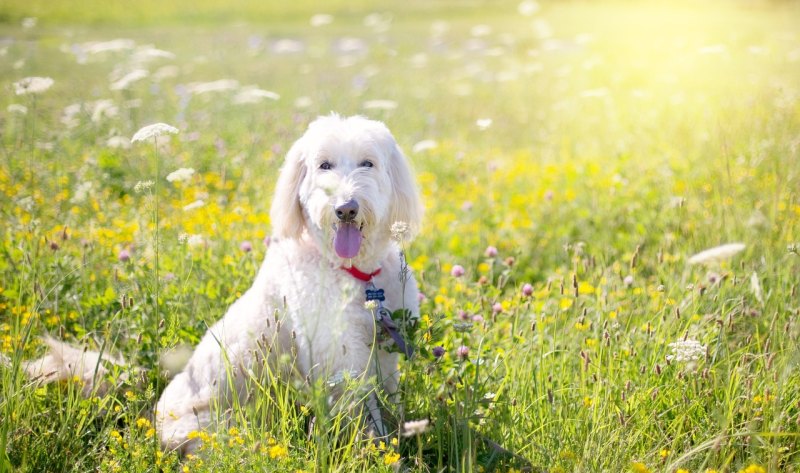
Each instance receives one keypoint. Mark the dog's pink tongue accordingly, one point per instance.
(347, 241)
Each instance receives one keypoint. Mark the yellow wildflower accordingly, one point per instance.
(585, 288)
(639, 467)
(391, 458)
(141, 422)
(278, 451)
(582, 326)
(753, 468)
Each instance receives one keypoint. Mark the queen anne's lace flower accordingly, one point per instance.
(254, 95)
(686, 350)
(400, 230)
(180, 175)
(125, 81)
(32, 85)
(151, 131)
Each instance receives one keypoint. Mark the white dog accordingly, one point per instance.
(343, 185)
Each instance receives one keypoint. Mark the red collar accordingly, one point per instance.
(360, 275)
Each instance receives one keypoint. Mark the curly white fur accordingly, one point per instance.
(302, 302)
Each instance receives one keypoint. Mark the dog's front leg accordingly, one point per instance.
(215, 377)
(185, 405)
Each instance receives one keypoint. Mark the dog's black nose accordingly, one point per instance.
(347, 211)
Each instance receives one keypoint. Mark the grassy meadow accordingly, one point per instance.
(573, 157)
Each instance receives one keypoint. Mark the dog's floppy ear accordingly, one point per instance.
(406, 204)
(286, 213)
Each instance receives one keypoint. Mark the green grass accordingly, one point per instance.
(629, 138)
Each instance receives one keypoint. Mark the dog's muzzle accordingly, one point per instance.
(347, 211)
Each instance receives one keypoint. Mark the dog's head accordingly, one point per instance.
(345, 181)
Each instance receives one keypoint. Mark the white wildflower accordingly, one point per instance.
(423, 145)
(542, 29)
(350, 45)
(152, 131)
(97, 47)
(480, 30)
(377, 22)
(194, 205)
(104, 109)
(252, 94)
(755, 285)
(82, 191)
(222, 85)
(418, 60)
(128, 79)
(686, 350)
(415, 427)
(147, 53)
(194, 241)
(32, 85)
(69, 116)
(757, 220)
(165, 72)
(303, 102)
(28, 204)
(400, 230)
(528, 8)
(142, 186)
(628, 281)
(288, 46)
(321, 19)
(17, 108)
(119, 142)
(380, 105)
(484, 123)
(180, 175)
(717, 254)
(29, 22)
(371, 305)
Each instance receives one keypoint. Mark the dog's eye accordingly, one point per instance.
(366, 164)
(326, 166)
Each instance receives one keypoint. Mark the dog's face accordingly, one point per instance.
(345, 182)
